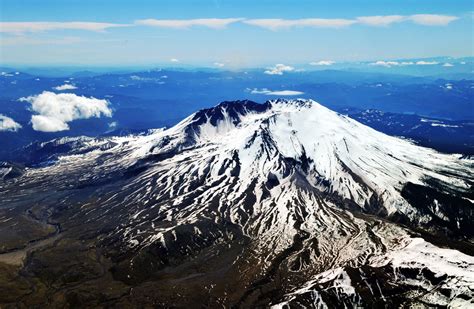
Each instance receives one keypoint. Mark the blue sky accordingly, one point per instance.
(231, 33)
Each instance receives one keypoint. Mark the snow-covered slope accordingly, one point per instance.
(286, 193)
(332, 154)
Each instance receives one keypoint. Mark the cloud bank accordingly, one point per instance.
(389, 64)
(427, 62)
(277, 24)
(266, 91)
(382, 20)
(420, 19)
(214, 23)
(7, 124)
(432, 20)
(55, 111)
(221, 23)
(278, 69)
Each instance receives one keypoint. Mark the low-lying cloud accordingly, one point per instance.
(65, 87)
(7, 124)
(322, 63)
(55, 111)
(266, 91)
(279, 69)
(389, 64)
(427, 62)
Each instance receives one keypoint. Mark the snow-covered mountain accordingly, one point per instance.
(282, 203)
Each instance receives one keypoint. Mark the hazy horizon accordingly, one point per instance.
(228, 34)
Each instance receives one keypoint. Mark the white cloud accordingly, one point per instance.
(447, 64)
(8, 124)
(23, 27)
(214, 23)
(55, 111)
(266, 91)
(285, 92)
(277, 24)
(48, 124)
(380, 20)
(65, 87)
(174, 60)
(386, 64)
(426, 62)
(221, 23)
(148, 79)
(278, 69)
(219, 64)
(323, 62)
(389, 64)
(113, 125)
(377, 20)
(432, 20)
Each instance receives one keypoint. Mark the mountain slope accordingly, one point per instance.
(248, 204)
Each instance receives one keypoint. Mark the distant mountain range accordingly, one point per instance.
(439, 67)
(156, 98)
